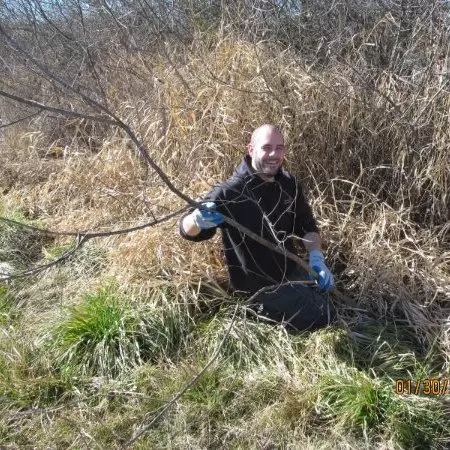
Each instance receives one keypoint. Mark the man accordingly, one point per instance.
(268, 200)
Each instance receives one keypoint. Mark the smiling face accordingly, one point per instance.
(267, 151)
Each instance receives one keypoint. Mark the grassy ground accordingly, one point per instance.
(90, 368)
(92, 349)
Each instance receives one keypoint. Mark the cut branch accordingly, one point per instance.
(63, 112)
(82, 238)
(15, 122)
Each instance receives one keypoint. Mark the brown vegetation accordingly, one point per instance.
(362, 97)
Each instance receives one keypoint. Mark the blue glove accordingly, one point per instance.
(208, 218)
(317, 262)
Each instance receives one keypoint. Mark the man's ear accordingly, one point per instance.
(250, 149)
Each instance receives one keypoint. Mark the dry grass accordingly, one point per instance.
(377, 177)
(377, 174)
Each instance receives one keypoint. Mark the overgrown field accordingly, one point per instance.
(93, 348)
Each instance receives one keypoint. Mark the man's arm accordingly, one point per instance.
(201, 223)
(312, 241)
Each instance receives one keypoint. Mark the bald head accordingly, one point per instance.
(266, 149)
(263, 131)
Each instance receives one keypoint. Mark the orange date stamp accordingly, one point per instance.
(422, 386)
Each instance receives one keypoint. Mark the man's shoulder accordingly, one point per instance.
(234, 185)
(227, 189)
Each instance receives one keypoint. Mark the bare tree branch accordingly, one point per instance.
(90, 101)
(63, 112)
(15, 122)
(82, 238)
(90, 234)
(34, 270)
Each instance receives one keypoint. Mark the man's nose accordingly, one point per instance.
(275, 152)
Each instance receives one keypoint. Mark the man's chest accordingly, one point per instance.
(268, 206)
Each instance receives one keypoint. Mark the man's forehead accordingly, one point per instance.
(268, 135)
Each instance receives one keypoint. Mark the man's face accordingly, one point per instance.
(267, 152)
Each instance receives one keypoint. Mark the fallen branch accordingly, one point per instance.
(82, 238)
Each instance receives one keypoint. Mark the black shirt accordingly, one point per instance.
(274, 210)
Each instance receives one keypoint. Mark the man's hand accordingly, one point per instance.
(317, 262)
(207, 218)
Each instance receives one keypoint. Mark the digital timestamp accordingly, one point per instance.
(423, 386)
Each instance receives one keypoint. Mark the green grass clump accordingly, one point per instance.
(107, 334)
(33, 392)
(355, 399)
(387, 349)
(419, 422)
(25, 381)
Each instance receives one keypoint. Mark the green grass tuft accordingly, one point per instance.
(386, 349)
(106, 334)
(355, 399)
(30, 392)
(419, 423)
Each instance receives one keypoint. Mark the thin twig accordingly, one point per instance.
(94, 234)
(34, 270)
(145, 428)
(14, 122)
(63, 112)
(82, 238)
